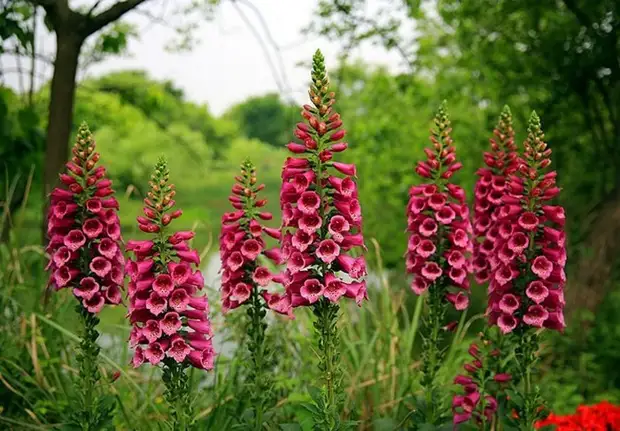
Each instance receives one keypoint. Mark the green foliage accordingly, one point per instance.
(580, 366)
(113, 40)
(20, 153)
(93, 412)
(178, 395)
(164, 104)
(15, 25)
(266, 118)
(327, 400)
(557, 57)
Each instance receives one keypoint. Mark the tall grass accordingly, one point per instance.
(38, 340)
(37, 359)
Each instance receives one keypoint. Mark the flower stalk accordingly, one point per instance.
(244, 280)
(438, 254)
(321, 224)
(177, 394)
(329, 345)
(85, 255)
(95, 411)
(526, 257)
(170, 319)
(259, 371)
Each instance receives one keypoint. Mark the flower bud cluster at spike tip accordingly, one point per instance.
(168, 314)
(241, 241)
(480, 377)
(440, 245)
(321, 214)
(529, 245)
(502, 161)
(84, 230)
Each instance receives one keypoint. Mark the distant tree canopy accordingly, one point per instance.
(559, 57)
(165, 105)
(139, 119)
(266, 118)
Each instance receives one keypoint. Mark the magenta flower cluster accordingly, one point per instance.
(84, 231)
(241, 242)
(520, 250)
(529, 246)
(440, 242)
(321, 213)
(169, 317)
(472, 403)
(501, 162)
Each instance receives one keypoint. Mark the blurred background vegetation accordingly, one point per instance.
(559, 57)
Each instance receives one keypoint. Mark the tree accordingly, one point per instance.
(164, 104)
(266, 118)
(559, 57)
(554, 56)
(71, 28)
(21, 137)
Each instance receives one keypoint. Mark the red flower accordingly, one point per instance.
(241, 241)
(600, 417)
(321, 214)
(164, 288)
(527, 242)
(84, 231)
(501, 162)
(440, 246)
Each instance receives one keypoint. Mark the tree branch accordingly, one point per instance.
(46, 3)
(56, 10)
(45, 59)
(109, 15)
(95, 6)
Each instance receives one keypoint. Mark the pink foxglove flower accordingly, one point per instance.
(321, 226)
(243, 253)
(483, 385)
(322, 219)
(242, 242)
(168, 312)
(501, 162)
(528, 256)
(438, 251)
(84, 231)
(440, 246)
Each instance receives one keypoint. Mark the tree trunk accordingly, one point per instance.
(68, 45)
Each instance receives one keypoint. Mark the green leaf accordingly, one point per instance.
(316, 394)
(384, 424)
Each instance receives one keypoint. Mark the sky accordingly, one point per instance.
(228, 65)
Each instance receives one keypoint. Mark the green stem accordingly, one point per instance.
(329, 345)
(432, 351)
(526, 351)
(89, 374)
(259, 379)
(177, 394)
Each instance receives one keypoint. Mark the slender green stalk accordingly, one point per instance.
(260, 379)
(92, 413)
(329, 347)
(178, 394)
(432, 352)
(525, 351)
